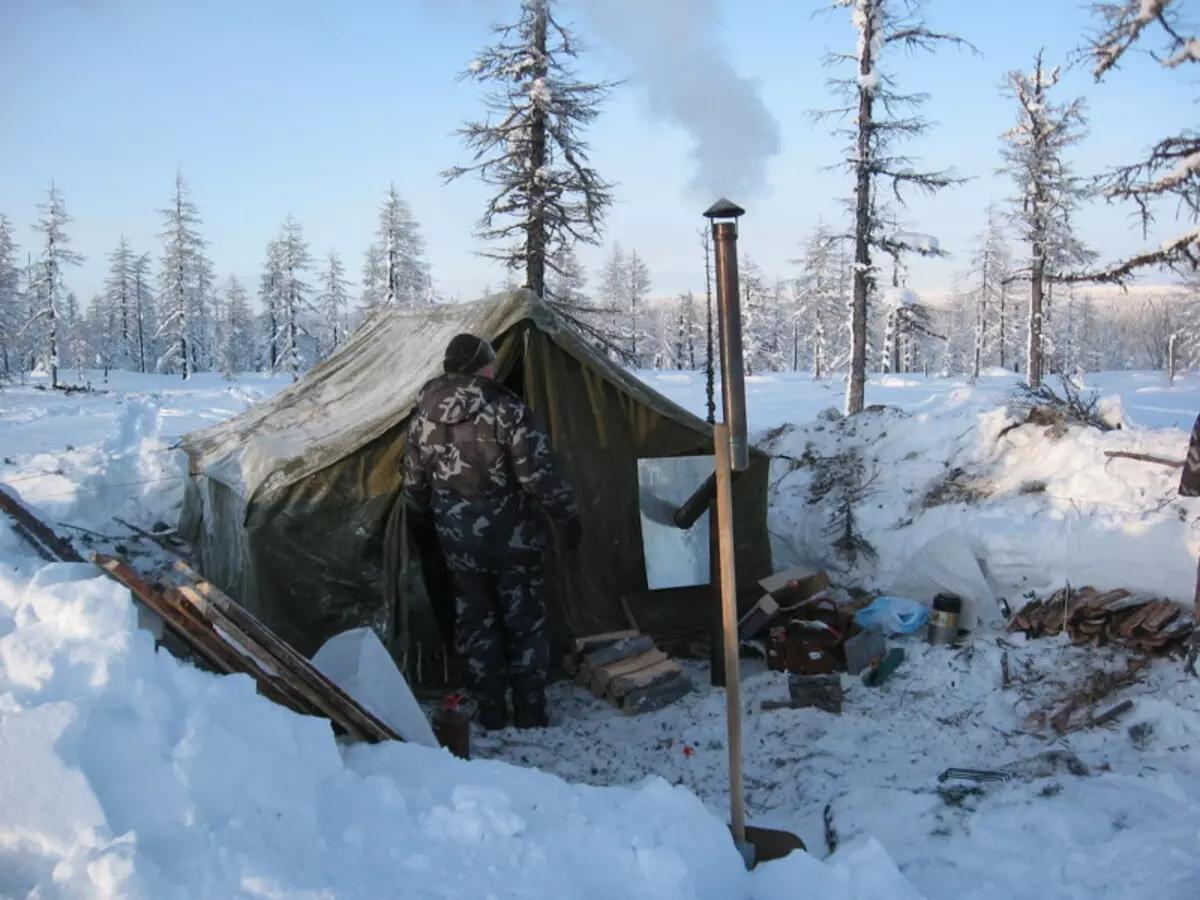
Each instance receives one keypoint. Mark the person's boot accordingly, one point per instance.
(530, 710)
(492, 714)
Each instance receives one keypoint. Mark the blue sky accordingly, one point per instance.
(277, 107)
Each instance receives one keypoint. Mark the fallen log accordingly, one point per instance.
(49, 545)
(1145, 457)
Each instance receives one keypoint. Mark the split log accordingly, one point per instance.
(656, 695)
(603, 677)
(623, 685)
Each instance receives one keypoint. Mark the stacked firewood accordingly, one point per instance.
(628, 670)
(1089, 616)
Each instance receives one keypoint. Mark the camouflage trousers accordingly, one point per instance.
(501, 629)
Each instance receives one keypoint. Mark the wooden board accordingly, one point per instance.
(352, 713)
(49, 545)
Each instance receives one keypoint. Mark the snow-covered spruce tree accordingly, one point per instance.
(75, 326)
(10, 298)
(236, 352)
(181, 262)
(48, 291)
(294, 298)
(1034, 155)
(565, 293)
(401, 254)
(102, 334)
(612, 293)
(637, 288)
(373, 290)
(237, 349)
(756, 322)
(270, 293)
(1170, 171)
(689, 332)
(333, 303)
(819, 322)
(534, 152)
(986, 288)
(119, 293)
(566, 280)
(143, 307)
(203, 316)
(882, 117)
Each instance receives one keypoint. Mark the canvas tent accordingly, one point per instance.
(292, 505)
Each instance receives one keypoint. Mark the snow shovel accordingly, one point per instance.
(756, 844)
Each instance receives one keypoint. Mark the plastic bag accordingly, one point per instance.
(357, 662)
(896, 615)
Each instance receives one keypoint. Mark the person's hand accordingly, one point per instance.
(573, 534)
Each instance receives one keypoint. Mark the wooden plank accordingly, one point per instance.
(585, 645)
(364, 721)
(602, 677)
(262, 666)
(195, 635)
(194, 630)
(34, 530)
(626, 684)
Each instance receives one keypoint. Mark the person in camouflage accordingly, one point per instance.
(480, 469)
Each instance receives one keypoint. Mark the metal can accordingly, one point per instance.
(943, 619)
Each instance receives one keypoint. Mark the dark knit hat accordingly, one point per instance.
(466, 354)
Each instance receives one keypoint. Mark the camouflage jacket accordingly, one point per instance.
(480, 468)
(1189, 480)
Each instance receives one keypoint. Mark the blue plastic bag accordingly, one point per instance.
(896, 615)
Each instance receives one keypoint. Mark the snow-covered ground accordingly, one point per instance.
(126, 774)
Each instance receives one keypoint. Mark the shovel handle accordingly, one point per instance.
(733, 710)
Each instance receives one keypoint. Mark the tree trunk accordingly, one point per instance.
(1035, 362)
(856, 389)
(141, 316)
(535, 234)
(1003, 327)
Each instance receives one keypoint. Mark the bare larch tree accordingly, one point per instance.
(1171, 168)
(1048, 193)
(880, 117)
(533, 151)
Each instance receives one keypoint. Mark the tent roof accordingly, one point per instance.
(371, 384)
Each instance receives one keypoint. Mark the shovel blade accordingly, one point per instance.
(767, 844)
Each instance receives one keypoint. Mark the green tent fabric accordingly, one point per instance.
(292, 506)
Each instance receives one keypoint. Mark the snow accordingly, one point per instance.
(129, 774)
(923, 243)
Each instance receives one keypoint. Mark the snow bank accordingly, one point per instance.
(128, 774)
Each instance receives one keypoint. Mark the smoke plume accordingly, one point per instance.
(676, 57)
